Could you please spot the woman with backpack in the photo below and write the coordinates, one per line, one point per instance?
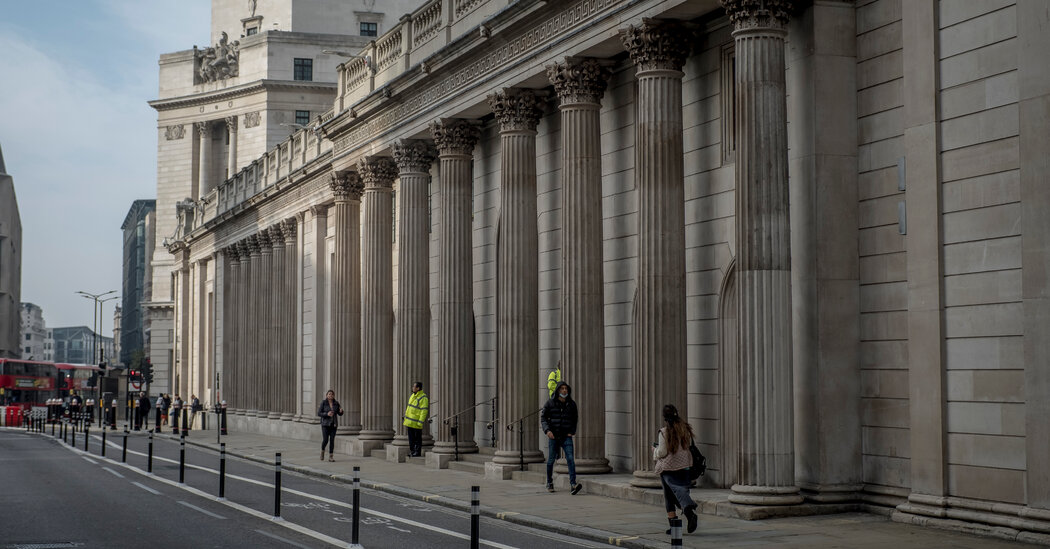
(673, 460)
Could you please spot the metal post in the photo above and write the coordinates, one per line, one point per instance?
(356, 530)
(494, 423)
(156, 424)
(475, 517)
(103, 442)
(185, 420)
(521, 442)
(86, 438)
(182, 460)
(223, 424)
(676, 532)
(52, 428)
(277, 487)
(149, 460)
(455, 437)
(222, 471)
(124, 450)
(175, 418)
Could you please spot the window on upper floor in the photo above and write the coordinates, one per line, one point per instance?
(251, 31)
(304, 69)
(369, 28)
(302, 118)
(29, 337)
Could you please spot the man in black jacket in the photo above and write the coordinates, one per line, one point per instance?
(558, 419)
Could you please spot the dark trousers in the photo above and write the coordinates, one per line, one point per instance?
(328, 436)
(562, 443)
(676, 490)
(415, 441)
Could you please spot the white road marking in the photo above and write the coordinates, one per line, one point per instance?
(114, 472)
(89, 460)
(279, 538)
(147, 488)
(399, 529)
(205, 511)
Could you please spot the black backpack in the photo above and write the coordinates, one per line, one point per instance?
(699, 462)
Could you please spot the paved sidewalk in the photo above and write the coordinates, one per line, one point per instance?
(597, 518)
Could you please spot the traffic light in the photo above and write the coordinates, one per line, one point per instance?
(102, 366)
(134, 376)
(147, 371)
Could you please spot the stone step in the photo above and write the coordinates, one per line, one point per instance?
(379, 453)
(468, 467)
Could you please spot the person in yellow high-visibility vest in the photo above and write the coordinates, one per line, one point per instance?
(415, 418)
(553, 379)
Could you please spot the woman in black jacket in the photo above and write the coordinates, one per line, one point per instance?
(329, 411)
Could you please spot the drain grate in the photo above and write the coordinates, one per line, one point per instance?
(56, 545)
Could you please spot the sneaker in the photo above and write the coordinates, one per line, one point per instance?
(691, 519)
(331, 457)
(550, 487)
(576, 489)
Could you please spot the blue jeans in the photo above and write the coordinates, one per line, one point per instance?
(553, 444)
(676, 490)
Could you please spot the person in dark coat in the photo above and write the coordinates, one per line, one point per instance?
(329, 412)
(144, 406)
(558, 420)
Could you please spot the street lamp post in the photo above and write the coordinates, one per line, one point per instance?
(96, 321)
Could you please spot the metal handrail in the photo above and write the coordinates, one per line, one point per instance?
(465, 410)
(521, 435)
(510, 426)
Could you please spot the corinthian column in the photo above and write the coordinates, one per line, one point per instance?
(454, 389)
(252, 370)
(345, 366)
(238, 398)
(204, 158)
(231, 164)
(377, 421)
(288, 324)
(231, 320)
(580, 85)
(264, 345)
(277, 322)
(763, 262)
(658, 51)
(517, 292)
(413, 159)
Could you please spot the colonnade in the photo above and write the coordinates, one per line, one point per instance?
(362, 339)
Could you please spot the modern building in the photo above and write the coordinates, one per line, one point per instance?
(139, 230)
(266, 69)
(117, 315)
(817, 228)
(78, 345)
(10, 267)
(33, 332)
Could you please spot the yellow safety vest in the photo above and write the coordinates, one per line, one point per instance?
(417, 410)
(553, 379)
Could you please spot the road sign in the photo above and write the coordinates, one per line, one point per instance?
(136, 385)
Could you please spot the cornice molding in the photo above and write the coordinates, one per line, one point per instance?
(234, 92)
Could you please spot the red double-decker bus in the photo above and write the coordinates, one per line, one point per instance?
(28, 383)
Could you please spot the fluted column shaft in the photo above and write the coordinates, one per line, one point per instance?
(454, 390)
(276, 321)
(231, 349)
(517, 288)
(231, 160)
(659, 52)
(346, 300)
(265, 315)
(377, 300)
(204, 159)
(253, 368)
(238, 403)
(413, 159)
(766, 455)
(580, 85)
(288, 323)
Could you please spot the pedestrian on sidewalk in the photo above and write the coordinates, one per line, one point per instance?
(195, 406)
(162, 408)
(415, 418)
(673, 460)
(329, 412)
(558, 420)
(143, 415)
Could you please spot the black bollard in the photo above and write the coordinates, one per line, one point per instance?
(156, 427)
(175, 419)
(73, 435)
(149, 459)
(222, 471)
(277, 487)
(185, 420)
(475, 517)
(676, 532)
(124, 451)
(182, 460)
(86, 438)
(355, 533)
(103, 442)
(222, 424)
(52, 428)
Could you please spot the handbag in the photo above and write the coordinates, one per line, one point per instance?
(699, 466)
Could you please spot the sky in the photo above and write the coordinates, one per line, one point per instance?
(78, 137)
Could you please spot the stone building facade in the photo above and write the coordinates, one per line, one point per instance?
(815, 227)
(10, 267)
(33, 332)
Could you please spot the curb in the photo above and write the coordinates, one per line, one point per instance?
(532, 521)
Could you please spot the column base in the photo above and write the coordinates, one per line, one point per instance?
(363, 448)
(435, 460)
(585, 466)
(348, 430)
(400, 440)
(449, 447)
(831, 493)
(496, 471)
(273, 415)
(765, 495)
(513, 457)
(382, 435)
(395, 453)
(646, 479)
(287, 416)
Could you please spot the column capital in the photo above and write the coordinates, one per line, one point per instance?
(276, 235)
(657, 45)
(455, 135)
(203, 129)
(231, 253)
(346, 186)
(516, 109)
(231, 123)
(758, 14)
(288, 228)
(265, 241)
(579, 80)
(377, 172)
(253, 245)
(413, 155)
